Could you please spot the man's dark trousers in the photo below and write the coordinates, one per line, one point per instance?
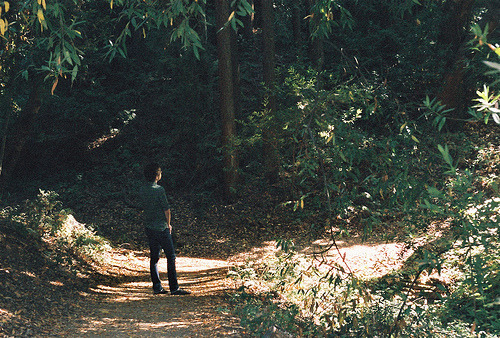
(157, 241)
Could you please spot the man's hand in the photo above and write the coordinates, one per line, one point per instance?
(168, 217)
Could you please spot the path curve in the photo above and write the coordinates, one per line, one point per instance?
(127, 307)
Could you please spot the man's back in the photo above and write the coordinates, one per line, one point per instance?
(154, 203)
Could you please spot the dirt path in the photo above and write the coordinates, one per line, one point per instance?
(364, 259)
(128, 308)
(123, 305)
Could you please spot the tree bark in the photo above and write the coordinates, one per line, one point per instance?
(226, 97)
(316, 52)
(257, 17)
(297, 23)
(248, 23)
(269, 65)
(4, 142)
(453, 34)
(22, 128)
(5, 129)
(235, 64)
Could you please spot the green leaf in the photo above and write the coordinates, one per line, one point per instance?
(196, 53)
(493, 65)
(67, 56)
(341, 154)
(427, 101)
(496, 118)
(74, 72)
(441, 123)
(122, 53)
(434, 192)
(441, 149)
(247, 6)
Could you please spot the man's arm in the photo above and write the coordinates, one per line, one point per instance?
(168, 216)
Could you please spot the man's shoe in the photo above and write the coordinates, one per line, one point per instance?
(180, 292)
(160, 292)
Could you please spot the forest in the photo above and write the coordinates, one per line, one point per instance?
(318, 131)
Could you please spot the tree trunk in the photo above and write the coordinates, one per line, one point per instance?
(22, 128)
(297, 23)
(453, 35)
(5, 129)
(248, 21)
(235, 64)
(269, 64)
(226, 91)
(257, 17)
(316, 51)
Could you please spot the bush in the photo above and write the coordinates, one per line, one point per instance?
(344, 150)
(44, 221)
(308, 298)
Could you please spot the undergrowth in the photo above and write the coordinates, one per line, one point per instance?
(54, 230)
(448, 287)
(304, 298)
(380, 176)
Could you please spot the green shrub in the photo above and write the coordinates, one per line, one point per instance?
(344, 150)
(308, 298)
(44, 221)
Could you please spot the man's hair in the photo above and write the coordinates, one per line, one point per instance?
(150, 171)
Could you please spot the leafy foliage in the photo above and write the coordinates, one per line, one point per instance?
(358, 150)
(343, 166)
(487, 106)
(333, 157)
(45, 221)
(475, 226)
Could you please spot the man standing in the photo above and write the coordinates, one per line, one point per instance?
(158, 229)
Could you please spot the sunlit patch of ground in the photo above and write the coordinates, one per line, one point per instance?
(129, 308)
(365, 260)
(258, 254)
(5, 315)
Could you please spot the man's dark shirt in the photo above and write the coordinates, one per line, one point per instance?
(154, 203)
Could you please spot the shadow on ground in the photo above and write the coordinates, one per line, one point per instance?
(128, 308)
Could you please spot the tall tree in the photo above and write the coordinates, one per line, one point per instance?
(269, 65)
(226, 97)
(248, 21)
(453, 33)
(38, 40)
(316, 51)
(323, 16)
(22, 130)
(297, 17)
